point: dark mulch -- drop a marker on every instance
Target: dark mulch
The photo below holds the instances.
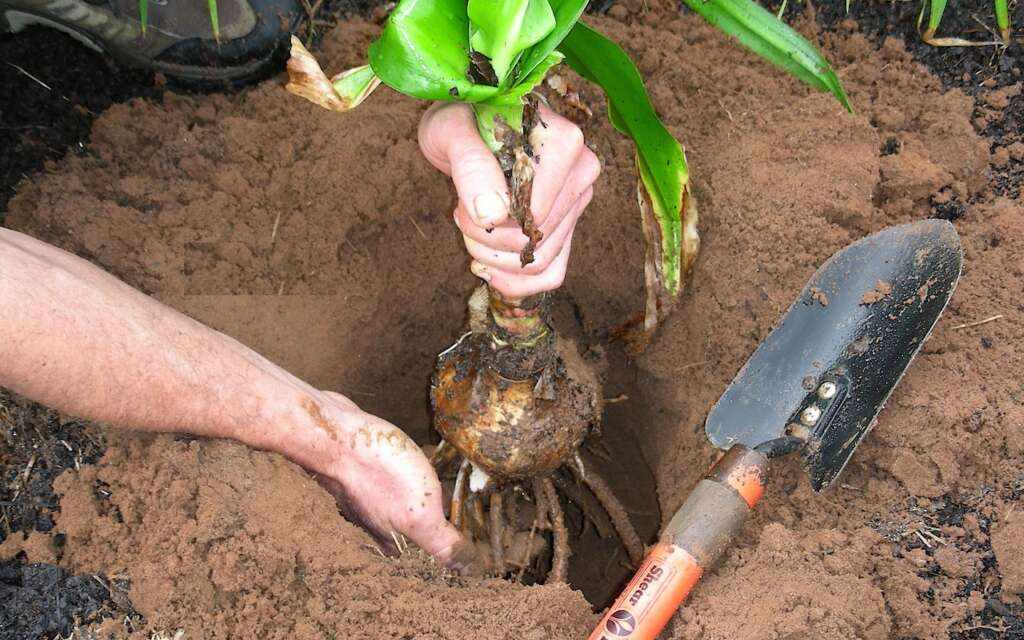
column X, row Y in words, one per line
column 51, row 89
column 36, row 445
column 45, row 601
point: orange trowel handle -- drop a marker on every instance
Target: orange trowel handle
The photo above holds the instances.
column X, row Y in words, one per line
column 698, row 534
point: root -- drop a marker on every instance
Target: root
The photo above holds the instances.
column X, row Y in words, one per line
column 593, row 511
column 498, row 533
column 529, row 546
column 455, row 516
column 504, row 533
column 617, row 513
column 560, row 556
column 477, row 520
column 478, row 515
column 442, row 456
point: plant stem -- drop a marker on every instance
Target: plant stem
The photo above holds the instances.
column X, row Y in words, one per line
column 487, row 121
column 521, row 339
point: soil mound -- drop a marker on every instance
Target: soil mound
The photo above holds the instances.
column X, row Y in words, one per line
column 324, row 241
column 226, row 542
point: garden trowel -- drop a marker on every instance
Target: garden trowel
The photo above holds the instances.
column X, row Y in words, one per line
column 813, row 387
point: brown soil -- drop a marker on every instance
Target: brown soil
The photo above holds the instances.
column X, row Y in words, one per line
column 324, row 241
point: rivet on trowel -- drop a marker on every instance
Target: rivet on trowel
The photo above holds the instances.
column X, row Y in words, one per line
column 827, row 390
column 810, row 415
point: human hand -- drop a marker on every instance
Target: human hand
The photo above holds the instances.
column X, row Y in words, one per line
column 380, row 479
column 562, row 187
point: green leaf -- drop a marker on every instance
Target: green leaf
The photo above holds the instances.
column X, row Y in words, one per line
column 567, row 13
column 1003, row 20
column 214, row 20
column 144, row 15
column 660, row 158
column 527, row 84
column 937, row 8
column 503, row 29
column 767, row 36
column 424, row 52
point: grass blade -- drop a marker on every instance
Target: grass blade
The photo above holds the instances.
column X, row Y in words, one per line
column 764, row 34
column 143, row 15
column 214, row 20
column 935, row 11
column 1003, row 20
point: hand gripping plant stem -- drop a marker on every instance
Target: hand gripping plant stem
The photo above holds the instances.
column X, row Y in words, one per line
column 493, row 53
column 512, row 401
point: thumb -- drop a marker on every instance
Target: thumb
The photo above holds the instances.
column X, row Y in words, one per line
column 450, row 141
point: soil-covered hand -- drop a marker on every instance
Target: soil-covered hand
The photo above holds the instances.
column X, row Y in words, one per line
column 149, row 367
column 382, row 481
column 565, row 171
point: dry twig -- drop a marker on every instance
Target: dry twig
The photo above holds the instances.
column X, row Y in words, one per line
column 967, row 325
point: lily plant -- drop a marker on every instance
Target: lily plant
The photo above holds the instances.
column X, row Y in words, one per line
column 492, row 54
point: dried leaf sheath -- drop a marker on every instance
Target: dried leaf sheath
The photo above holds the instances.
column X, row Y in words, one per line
column 664, row 289
column 342, row 92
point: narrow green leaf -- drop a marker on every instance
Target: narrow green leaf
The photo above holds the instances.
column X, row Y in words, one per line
column 214, row 20
column 503, row 29
column 1003, row 20
column 1002, row 14
column 567, row 13
column 144, row 15
column 938, row 7
column 764, row 34
column 424, row 52
column 659, row 156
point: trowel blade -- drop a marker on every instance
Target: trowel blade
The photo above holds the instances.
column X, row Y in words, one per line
column 828, row 367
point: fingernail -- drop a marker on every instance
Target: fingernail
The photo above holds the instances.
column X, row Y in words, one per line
column 480, row 271
column 489, row 209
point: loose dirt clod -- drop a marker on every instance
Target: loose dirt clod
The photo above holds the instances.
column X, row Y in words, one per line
column 879, row 293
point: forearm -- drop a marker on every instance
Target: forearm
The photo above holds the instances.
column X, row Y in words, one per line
column 77, row 339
